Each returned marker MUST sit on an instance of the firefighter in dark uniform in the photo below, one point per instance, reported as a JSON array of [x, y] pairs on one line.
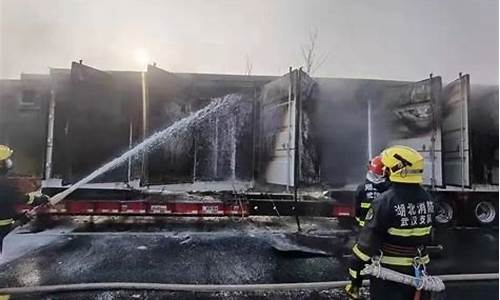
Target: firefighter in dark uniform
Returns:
[[10, 196], [375, 184], [398, 225]]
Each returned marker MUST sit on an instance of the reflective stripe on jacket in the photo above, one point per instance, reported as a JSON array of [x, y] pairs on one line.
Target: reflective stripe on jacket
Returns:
[[399, 224], [364, 195], [6, 222]]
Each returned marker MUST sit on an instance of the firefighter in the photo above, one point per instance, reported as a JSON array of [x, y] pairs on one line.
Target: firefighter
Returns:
[[375, 184], [397, 225], [10, 196]]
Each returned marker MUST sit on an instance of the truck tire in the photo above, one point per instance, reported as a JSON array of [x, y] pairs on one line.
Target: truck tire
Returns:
[[446, 213], [485, 212]]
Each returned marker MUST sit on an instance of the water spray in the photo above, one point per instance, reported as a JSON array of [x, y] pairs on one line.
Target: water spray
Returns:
[[157, 139]]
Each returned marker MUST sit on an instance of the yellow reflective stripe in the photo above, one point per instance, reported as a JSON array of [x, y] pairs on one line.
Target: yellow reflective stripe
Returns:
[[402, 261], [353, 273], [410, 232], [360, 223], [360, 254], [31, 198], [4, 222], [365, 205]]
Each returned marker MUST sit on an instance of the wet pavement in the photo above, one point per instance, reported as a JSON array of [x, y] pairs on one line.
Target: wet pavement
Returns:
[[466, 250], [226, 252]]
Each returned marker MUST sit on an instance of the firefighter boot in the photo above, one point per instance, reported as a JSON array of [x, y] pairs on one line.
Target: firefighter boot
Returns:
[[353, 291]]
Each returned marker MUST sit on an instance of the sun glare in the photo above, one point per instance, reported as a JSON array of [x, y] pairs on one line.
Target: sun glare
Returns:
[[142, 57]]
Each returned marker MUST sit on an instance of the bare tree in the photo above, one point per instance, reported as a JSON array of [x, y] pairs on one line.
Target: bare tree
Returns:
[[248, 66], [312, 59]]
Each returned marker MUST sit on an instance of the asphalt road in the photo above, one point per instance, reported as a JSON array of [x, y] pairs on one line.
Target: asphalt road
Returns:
[[214, 254]]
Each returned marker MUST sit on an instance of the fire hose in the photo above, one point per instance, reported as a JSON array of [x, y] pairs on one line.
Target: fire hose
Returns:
[[106, 286], [426, 282], [421, 280], [30, 214]]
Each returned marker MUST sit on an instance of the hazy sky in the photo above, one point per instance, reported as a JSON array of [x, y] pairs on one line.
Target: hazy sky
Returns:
[[397, 39]]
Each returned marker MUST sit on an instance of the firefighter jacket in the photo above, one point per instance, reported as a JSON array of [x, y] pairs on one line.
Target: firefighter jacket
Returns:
[[9, 197], [398, 225], [365, 194]]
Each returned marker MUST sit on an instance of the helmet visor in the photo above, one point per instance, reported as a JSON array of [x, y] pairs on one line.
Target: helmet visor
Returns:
[[375, 178]]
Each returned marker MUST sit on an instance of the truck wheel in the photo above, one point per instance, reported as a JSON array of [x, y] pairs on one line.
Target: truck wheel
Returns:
[[485, 212], [446, 213]]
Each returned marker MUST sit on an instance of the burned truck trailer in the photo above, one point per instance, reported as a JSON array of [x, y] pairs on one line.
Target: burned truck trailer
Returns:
[[287, 139], [455, 128]]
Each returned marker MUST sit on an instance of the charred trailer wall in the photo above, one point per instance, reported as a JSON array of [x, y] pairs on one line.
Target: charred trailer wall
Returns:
[[219, 148], [93, 123], [275, 134], [285, 140], [340, 119], [483, 110], [213, 149], [355, 119], [23, 116], [224, 143], [309, 168], [166, 101], [411, 115], [61, 86], [470, 133]]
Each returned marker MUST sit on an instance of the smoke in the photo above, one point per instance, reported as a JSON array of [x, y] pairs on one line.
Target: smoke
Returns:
[[340, 121]]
